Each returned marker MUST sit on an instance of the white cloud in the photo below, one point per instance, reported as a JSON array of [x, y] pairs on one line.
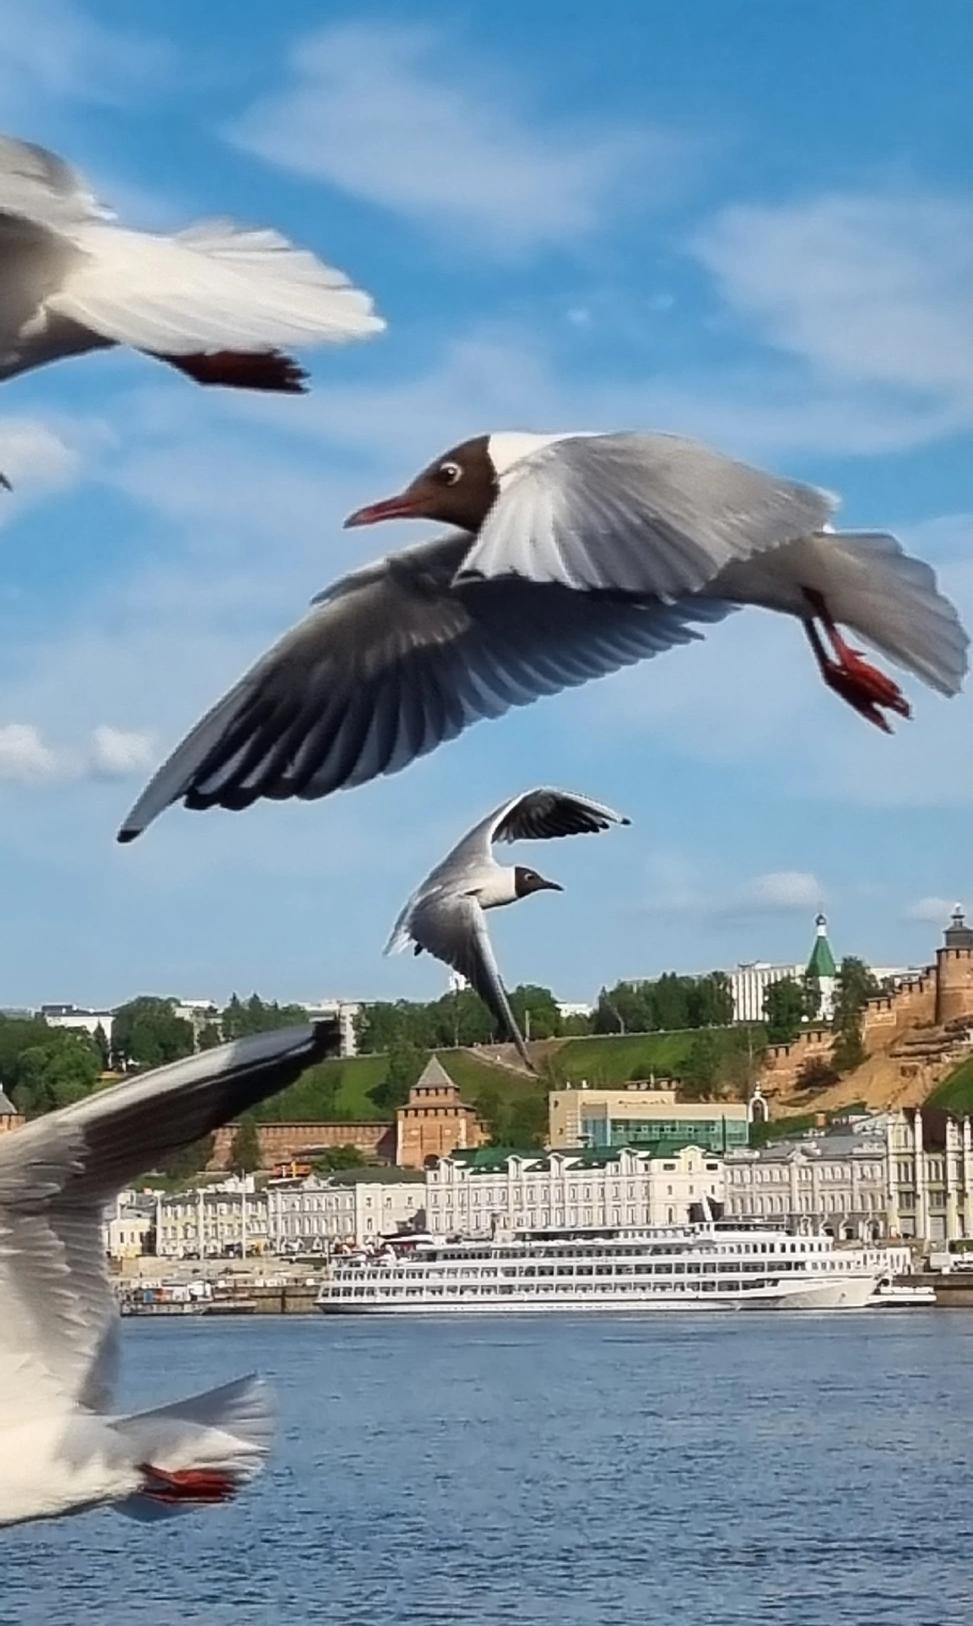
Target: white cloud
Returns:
[[931, 911], [117, 752], [868, 289], [411, 121], [54, 48], [25, 759], [28, 759], [38, 458], [780, 892]]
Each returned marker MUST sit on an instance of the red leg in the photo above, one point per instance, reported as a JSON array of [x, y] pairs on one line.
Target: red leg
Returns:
[[188, 1484], [241, 370], [848, 674]]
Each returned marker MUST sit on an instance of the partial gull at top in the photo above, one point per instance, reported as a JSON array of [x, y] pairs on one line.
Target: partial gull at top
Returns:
[[444, 916], [218, 301], [63, 1447]]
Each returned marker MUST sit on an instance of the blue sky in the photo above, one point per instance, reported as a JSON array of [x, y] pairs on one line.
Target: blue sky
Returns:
[[748, 221]]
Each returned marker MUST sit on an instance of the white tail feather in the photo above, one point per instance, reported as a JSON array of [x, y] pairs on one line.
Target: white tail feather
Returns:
[[227, 1430]]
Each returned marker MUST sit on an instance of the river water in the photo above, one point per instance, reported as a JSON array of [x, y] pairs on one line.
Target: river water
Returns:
[[796, 1469]]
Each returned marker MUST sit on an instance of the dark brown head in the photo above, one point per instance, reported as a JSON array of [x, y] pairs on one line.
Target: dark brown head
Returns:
[[528, 880], [459, 488]]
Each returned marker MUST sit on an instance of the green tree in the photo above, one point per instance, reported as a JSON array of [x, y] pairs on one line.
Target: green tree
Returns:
[[100, 1041], [404, 1064], [245, 1155], [854, 987], [339, 1157], [710, 1001], [239, 1021], [701, 1067], [545, 1018], [146, 1032], [785, 1009], [208, 1036], [54, 1074]]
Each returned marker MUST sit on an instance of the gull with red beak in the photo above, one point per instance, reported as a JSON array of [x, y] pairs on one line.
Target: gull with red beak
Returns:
[[651, 514], [444, 916]]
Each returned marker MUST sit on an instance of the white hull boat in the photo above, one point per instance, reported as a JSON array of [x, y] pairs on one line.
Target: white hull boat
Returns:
[[694, 1267]]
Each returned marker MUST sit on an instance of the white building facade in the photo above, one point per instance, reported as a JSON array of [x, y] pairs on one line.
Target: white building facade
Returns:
[[310, 1215], [749, 982], [224, 1220], [473, 1194]]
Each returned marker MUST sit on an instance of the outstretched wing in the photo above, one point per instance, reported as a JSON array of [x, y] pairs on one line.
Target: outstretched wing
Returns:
[[391, 662], [56, 1176], [453, 928], [636, 513]]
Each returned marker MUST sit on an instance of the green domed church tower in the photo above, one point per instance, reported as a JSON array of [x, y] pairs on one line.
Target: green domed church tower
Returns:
[[822, 970]]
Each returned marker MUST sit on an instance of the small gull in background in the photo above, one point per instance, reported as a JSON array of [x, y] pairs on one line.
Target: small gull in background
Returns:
[[445, 914]]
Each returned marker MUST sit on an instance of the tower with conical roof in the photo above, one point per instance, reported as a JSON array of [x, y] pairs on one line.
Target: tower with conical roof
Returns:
[[822, 970], [954, 970]]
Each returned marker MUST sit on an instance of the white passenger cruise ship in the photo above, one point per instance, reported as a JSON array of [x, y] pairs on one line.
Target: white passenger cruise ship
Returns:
[[713, 1266]]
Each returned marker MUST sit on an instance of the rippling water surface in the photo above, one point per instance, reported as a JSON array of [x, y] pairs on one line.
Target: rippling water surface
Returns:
[[592, 1471]]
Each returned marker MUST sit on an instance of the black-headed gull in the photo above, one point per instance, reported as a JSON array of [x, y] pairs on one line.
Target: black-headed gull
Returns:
[[651, 513], [218, 301], [406, 653], [444, 916], [63, 1448]]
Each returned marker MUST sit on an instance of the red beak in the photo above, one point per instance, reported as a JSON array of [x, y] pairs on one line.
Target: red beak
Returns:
[[401, 507]]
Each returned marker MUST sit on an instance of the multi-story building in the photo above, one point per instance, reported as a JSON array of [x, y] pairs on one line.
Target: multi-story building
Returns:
[[643, 1114], [79, 1019], [474, 1193], [345, 1011], [749, 982], [892, 1174], [130, 1226], [357, 1205], [210, 1222]]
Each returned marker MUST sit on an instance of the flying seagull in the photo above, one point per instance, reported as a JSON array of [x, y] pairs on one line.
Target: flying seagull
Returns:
[[63, 1448], [444, 916], [406, 653], [218, 301], [652, 513]]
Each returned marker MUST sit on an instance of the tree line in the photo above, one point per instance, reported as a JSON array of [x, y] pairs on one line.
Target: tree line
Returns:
[[790, 1003]]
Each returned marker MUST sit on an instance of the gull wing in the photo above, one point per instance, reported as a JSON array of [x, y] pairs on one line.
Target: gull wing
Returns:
[[392, 661], [636, 513], [453, 929], [57, 1331]]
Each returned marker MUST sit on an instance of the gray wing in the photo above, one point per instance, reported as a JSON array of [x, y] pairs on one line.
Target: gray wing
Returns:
[[391, 662], [536, 815], [636, 513], [39, 184], [58, 1173], [453, 929]]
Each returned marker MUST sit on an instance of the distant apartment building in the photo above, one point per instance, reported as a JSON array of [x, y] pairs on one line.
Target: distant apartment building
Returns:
[[345, 1011], [130, 1226], [211, 1222], [643, 1114], [475, 1193], [78, 1018], [355, 1206]]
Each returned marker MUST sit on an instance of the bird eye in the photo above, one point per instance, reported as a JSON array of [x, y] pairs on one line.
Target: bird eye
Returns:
[[449, 473]]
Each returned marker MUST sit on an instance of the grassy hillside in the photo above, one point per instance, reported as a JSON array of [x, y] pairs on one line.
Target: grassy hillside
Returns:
[[610, 1059], [955, 1093], [337, 1091]]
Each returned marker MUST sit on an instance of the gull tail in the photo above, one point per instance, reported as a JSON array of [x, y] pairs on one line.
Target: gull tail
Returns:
[[199, 1451]]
